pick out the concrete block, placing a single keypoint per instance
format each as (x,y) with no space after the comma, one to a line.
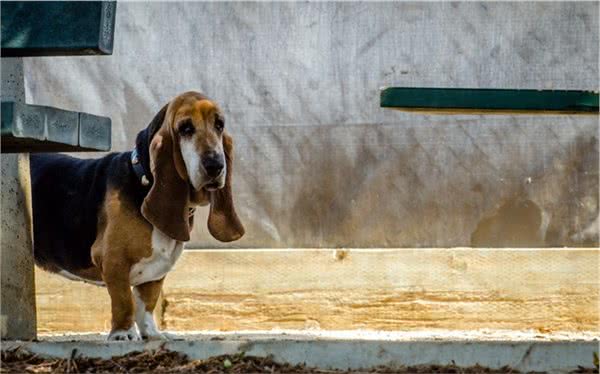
(34,128)
(62,126)
(12,88)
(94,132)
(29,121)
(17,306)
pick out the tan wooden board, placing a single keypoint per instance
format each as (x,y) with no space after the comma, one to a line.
(392,289)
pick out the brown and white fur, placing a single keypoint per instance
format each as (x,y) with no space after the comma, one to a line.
(98,221)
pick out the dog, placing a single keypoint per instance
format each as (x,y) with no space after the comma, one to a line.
(120,221)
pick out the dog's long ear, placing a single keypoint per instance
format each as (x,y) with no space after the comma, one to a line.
(166,205)
(223,222)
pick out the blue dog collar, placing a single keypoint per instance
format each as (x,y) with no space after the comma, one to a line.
(138,169)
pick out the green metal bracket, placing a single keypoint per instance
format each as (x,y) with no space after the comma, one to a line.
(486,101)
(57,28)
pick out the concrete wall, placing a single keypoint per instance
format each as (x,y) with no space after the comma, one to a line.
(319,163)
(17,294)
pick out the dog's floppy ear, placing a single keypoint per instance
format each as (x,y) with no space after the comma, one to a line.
(223,222)
(166,204)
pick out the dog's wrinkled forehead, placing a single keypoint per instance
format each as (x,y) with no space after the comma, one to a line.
(195,106)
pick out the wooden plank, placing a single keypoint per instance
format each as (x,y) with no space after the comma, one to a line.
(57,28)
(489,101)
(69,306)
(395,289)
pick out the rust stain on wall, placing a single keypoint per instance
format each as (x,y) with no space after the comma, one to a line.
(515,224)
(556,207)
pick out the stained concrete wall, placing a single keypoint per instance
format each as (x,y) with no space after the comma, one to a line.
(17,296)
(319,164)
(17,299)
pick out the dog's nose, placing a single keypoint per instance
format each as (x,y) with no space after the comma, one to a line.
(213,164)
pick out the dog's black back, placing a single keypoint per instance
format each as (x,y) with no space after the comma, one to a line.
(67,195)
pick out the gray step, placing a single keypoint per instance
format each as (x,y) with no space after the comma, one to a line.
(347,350)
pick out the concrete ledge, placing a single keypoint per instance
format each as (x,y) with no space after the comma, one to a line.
(331,352)
(35,128)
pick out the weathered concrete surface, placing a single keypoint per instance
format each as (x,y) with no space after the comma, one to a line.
(17,304)
(404,290)
(485,182)
(319,164)
(37,128)
(13,85)
(17,315)
(348,351)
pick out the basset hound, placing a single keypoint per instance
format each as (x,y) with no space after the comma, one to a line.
(120,221)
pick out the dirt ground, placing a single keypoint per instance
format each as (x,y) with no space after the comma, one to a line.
(163,361)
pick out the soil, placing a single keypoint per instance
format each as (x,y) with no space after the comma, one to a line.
(163,361)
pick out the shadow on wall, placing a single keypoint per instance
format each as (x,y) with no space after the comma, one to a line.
(539,217)
(516,223)
(396,186)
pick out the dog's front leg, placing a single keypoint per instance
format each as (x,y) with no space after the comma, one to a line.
(146,295)
(121,298)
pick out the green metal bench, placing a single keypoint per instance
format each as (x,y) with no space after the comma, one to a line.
(489,101)
(54,28)
(57,28)
(39,29)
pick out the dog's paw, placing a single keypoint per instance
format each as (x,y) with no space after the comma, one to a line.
(147,326)
(124,335)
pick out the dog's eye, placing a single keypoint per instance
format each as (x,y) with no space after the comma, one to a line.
(219,125)
(186,129)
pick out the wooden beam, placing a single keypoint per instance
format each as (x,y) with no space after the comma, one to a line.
(388,289)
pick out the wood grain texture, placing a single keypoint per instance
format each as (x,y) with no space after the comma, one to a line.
(397,289)
(70,306)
